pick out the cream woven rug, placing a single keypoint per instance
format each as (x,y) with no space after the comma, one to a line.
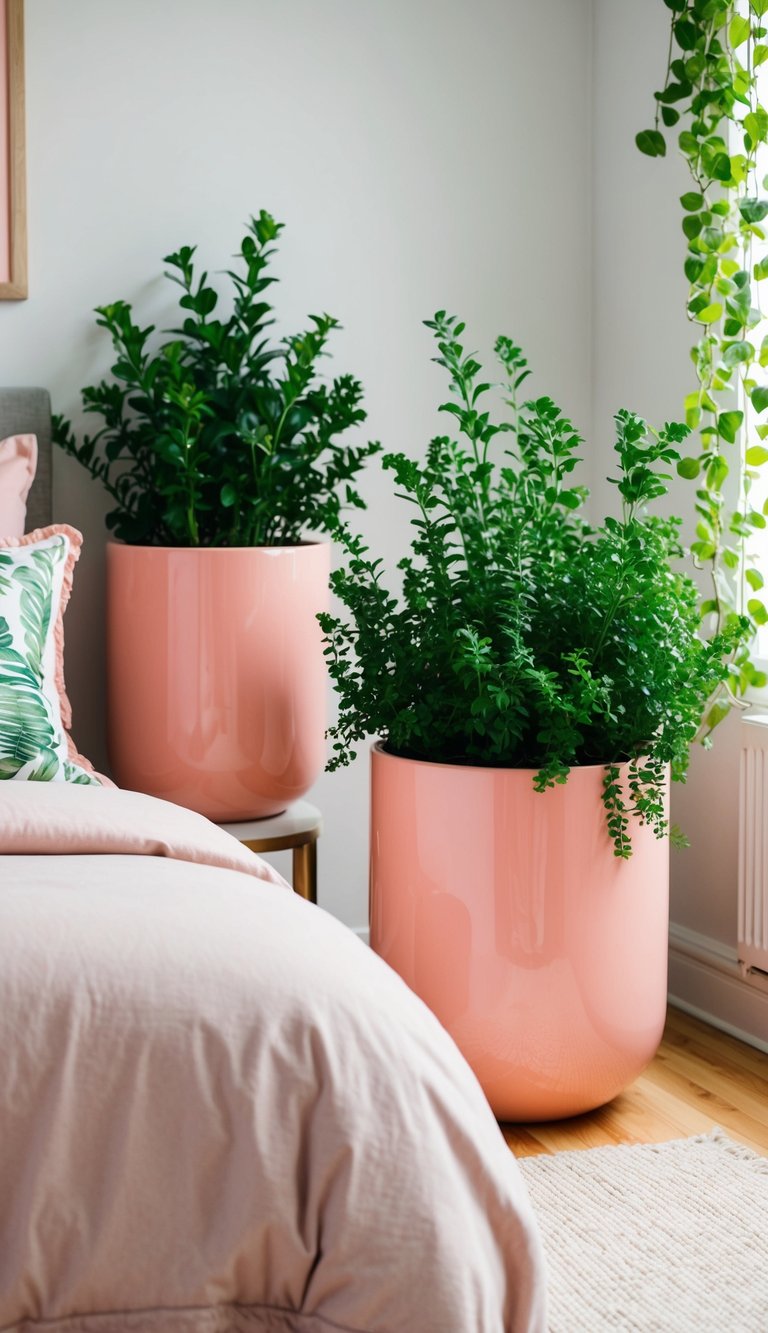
(657,1238)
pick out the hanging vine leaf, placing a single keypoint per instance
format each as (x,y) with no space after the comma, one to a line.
(689,467)
(652,143)
(753,210)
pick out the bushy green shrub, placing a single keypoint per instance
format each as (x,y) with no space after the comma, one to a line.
(219,436)
(523,636)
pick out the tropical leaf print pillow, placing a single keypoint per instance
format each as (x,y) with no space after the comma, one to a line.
(33,743)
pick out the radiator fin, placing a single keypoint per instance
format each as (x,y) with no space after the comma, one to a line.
(753,849)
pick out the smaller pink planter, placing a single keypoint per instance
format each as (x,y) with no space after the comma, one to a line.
(216,676)
(543,954)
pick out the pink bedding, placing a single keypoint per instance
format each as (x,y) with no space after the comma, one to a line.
(219,1110)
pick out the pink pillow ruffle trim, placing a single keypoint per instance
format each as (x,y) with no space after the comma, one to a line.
(18,464)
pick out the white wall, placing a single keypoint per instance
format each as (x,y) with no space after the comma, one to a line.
(423,153)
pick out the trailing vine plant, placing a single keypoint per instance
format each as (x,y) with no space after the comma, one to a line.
(710,101)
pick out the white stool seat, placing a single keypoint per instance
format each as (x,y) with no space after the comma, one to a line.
(297,829)
(299,819)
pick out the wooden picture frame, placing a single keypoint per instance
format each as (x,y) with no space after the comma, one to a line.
(13,174)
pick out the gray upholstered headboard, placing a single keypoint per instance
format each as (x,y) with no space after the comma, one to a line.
(28,412)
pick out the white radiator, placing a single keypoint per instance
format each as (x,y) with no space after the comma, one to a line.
(753,845)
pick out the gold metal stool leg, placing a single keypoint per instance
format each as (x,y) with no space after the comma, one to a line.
(305,871)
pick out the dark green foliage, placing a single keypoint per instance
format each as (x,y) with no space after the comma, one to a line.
(219,437)
(524,637)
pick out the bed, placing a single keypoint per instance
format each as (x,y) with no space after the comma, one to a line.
(219,1110)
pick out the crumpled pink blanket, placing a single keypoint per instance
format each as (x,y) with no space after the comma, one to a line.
(219,1110)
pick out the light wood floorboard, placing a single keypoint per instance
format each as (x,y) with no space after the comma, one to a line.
(699,1078)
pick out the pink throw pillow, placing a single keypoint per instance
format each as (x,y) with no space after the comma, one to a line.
(75,546)
(18,463)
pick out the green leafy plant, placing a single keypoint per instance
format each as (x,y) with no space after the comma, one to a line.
(218,436)
(525,637)
(710,101)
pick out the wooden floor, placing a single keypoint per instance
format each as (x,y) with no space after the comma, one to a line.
(700,1078)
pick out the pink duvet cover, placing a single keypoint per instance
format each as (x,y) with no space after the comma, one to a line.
(219,1110)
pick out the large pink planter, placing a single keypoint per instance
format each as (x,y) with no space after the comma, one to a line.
(216,676)
(543,954)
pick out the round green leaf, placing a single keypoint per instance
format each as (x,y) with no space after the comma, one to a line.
(711,237)
(727,425)
(738,353)
(686,34)
(721,167)
(756,125)
(689,468)
(717,714)
(693,267)
(653,144)
(674,92)
(717,471)
(753,210)
(710,314)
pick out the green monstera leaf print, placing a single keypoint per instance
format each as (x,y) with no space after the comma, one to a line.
(36,581)
(6,568)
(26,729)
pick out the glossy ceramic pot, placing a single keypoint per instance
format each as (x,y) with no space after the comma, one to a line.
(216,676)
(543,954)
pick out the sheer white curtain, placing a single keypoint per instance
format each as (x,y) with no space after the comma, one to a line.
(756,426)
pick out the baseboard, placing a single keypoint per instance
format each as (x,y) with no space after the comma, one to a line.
(362,932)
(705,980)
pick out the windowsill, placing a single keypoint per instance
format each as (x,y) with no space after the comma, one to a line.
(758,699)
